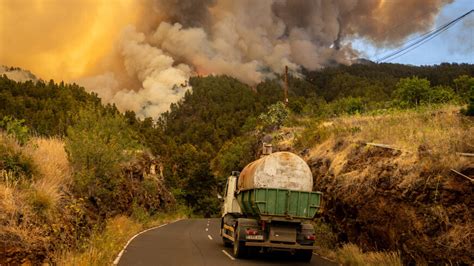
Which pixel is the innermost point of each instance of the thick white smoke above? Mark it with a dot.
(247, 39)
(162, 82)
(17, 74)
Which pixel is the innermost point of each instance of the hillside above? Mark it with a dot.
(42, 212)
(107, 157)
(405, 196)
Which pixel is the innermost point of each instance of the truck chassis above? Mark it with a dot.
(252, 235)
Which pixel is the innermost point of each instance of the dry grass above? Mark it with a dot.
(459, 237)
(8, 202)
(351, 254)
(33, 180)
(442, 131)
(10, 142)
(11, 198)
(30, 217)
(431, 137)
(415, 177)
(50, 177)
(52, 166)
(103, 247)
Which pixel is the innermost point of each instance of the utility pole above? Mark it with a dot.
(286, 86)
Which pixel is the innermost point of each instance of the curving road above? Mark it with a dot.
(195, 242)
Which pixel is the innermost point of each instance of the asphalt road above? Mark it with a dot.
(195, 242)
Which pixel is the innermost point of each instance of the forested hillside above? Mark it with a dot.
(376, 82)
(46, 107)
(216, 128)
(221, 109)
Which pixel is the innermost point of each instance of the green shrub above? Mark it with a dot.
(234, 155)
(347, 105)
(274, 117)
(97, 144)
(463, 85)
(14, 161)
(297, 104)
(441, 94)
(15, 127)
(470, 108)
(313, 133)
(189, 170)
(412, 91)
(315, 106)
(140, 214)
(250, 124)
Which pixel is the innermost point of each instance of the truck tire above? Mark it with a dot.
(304, 255)
(239, 250)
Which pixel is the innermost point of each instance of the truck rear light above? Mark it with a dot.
(310, 237)
(251, 232)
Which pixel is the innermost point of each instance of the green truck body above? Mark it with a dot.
(269, 207)
(271, 202)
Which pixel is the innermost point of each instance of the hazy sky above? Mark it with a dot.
(73, 39)
(133, 54)
(454, 45)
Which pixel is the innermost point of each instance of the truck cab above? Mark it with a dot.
(230, 201)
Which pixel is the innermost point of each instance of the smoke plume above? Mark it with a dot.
(17, 74)
(148, 63)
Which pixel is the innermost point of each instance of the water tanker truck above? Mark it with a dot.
(269, 206)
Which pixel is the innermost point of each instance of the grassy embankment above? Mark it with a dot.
(103, 247)
(42, 221)
(402, 197)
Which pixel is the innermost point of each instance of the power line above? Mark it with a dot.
(420, 40)
(416, 46)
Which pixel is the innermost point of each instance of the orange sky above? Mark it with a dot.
(61, 39)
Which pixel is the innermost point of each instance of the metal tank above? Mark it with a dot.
(280, 170)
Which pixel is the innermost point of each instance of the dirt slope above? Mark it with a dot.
(404, 198)
(371, 200)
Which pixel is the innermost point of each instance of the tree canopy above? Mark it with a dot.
(215, 127)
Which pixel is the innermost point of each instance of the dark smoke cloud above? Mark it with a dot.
(391, 23)
(189, 13)
(250, 40)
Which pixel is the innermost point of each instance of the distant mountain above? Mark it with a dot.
(17, 74)
(364, 61)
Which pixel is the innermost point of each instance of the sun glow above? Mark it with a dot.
(61, 39)
(381, 4)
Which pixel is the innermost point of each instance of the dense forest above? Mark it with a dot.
(216, 126)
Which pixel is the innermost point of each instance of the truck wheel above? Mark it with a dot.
(304, 255)
(240, 250)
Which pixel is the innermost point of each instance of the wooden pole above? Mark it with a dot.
(286, 86)
(465, 154)
(463, 175)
